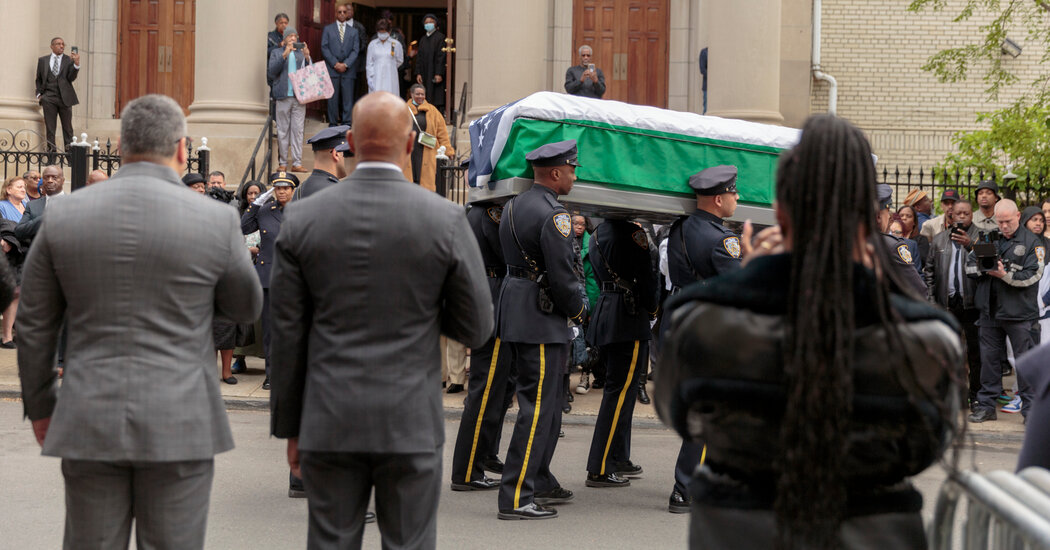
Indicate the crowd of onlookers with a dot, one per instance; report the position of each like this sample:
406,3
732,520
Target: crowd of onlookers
985,262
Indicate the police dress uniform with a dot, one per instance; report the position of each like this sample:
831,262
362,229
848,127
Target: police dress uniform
487,391
620,327
328,138
539,295
902,254
699,247
266,218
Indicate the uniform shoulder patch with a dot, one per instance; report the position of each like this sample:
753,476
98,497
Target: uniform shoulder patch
563,223
1040,252
495,213
732,246
640,239
903,252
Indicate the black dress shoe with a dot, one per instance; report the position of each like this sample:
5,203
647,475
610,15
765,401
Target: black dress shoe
982,415
566,407
627,468
370,517
643,396
678,503
455,388
598,384
493,464
10,344
484,484
266,384
607,480
570,397
296,492
529,511
557,495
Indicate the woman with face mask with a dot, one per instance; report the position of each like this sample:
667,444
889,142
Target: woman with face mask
385,54
431,135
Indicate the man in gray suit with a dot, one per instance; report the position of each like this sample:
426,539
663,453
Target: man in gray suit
358,305
138,268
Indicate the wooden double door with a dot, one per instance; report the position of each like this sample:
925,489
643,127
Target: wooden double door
156,50
630,42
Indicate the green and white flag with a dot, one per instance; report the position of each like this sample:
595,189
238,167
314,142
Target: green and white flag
630,147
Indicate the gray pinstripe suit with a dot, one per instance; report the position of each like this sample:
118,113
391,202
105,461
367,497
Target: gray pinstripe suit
137,266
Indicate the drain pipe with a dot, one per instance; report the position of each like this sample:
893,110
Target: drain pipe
833,85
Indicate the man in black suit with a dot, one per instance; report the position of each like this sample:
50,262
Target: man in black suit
55,74
357,395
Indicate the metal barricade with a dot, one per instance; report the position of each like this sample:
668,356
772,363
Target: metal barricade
1003,511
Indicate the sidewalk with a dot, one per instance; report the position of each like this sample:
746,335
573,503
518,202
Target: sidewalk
248,394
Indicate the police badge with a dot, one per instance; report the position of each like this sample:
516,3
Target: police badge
495,212
732,245
1019,251
564,224
639,239
904,253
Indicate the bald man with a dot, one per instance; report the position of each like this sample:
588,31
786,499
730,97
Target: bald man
1007,289
96,176
372,415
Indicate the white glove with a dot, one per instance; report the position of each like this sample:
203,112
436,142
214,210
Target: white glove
262,198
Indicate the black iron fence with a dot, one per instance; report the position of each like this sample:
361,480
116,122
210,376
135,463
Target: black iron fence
452,180
1026,188
24,151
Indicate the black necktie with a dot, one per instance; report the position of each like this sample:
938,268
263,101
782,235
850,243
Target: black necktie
958,267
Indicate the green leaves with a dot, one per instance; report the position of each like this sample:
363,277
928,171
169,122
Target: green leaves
1018,137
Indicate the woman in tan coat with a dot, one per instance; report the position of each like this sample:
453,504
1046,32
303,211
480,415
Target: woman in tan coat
421,166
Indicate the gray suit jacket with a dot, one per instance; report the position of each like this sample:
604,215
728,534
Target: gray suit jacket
137,266
367,274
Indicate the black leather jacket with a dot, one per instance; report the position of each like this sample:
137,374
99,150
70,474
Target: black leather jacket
721,380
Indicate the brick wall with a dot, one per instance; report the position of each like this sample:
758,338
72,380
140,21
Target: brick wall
875,49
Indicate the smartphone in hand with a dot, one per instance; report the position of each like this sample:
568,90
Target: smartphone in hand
74,50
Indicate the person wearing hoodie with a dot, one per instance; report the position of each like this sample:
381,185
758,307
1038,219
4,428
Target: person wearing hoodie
1034,220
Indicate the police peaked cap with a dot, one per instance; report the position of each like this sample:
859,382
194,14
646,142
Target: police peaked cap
329,138
715,180
283,179
558,153
192,178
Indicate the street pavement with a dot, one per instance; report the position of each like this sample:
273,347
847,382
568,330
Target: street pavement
250,508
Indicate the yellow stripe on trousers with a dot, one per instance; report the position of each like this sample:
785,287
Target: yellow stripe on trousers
481,413
532,431
619,404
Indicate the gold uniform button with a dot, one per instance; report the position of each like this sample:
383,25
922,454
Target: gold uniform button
261,262
264,231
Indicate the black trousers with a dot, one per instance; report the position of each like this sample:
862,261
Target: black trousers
526,470
53,107
968,320
483,413
993,337
688,459
611,442
338,487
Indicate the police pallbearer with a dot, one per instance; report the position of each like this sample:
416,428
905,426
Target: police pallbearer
700,247
487,394
329,145
539,295
619,325
901,254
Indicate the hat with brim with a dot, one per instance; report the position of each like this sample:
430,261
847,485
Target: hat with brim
559,153
715,180
283,179
191,179
914,196
988,184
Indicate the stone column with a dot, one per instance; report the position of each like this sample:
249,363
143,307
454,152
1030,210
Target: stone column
744,60
230,78
499,74
18,106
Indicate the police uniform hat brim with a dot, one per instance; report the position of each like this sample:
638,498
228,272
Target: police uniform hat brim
283,179
192,178
329,138
343,147
715,180
885,196
560,153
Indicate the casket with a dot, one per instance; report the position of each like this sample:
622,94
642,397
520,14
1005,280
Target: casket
635,161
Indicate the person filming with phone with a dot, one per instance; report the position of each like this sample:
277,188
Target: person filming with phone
291,114
55,74
585,79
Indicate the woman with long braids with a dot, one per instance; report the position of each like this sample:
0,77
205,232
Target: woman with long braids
816,387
